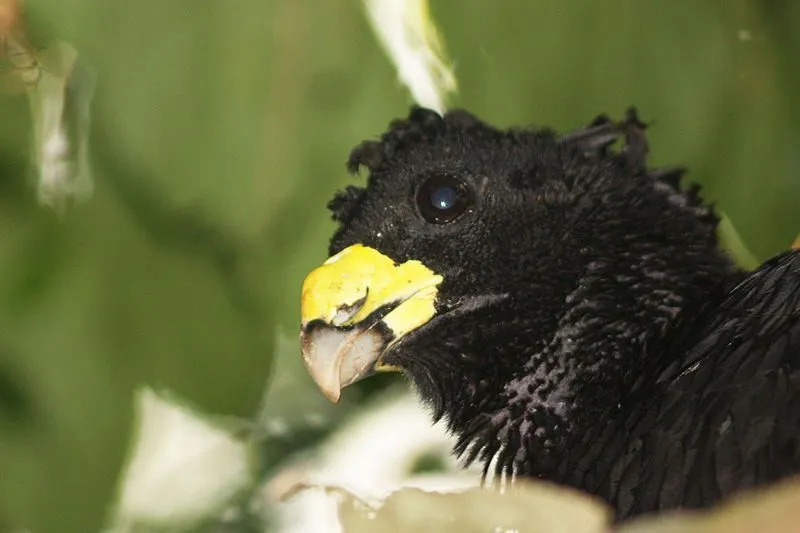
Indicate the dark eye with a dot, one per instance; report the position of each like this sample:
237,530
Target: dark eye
442,198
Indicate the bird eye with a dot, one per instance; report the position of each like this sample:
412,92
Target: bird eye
442,198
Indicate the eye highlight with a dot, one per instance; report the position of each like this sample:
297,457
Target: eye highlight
442,198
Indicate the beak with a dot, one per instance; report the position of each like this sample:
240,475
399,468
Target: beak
354,308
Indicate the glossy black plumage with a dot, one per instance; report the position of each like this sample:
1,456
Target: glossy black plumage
723,411
612,347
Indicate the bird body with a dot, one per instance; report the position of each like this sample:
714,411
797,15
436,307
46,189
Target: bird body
718,412
564,308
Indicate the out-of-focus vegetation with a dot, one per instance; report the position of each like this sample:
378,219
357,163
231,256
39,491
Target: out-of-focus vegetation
219,132
547,508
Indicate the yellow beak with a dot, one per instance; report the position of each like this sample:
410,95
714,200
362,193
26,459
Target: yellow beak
354,307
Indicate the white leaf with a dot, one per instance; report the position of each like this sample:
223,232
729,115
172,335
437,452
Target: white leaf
181,468
409,36
369,457
59,98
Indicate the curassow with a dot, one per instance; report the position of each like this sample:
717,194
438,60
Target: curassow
566,309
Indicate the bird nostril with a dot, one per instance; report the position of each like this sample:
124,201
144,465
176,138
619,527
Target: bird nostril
347,311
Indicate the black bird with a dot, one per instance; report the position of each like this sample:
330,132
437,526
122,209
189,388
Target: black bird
565,308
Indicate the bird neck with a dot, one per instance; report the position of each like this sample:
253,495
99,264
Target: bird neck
608,337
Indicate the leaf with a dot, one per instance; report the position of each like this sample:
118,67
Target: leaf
59,102
730,240
408,33
183,466
528,507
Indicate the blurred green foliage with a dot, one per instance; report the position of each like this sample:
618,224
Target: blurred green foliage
220,131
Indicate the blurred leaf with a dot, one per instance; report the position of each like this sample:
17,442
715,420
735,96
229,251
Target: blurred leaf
526,508
60,108
411,39
182,466
731,241
541,507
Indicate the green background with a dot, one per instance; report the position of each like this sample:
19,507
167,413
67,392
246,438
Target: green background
219,132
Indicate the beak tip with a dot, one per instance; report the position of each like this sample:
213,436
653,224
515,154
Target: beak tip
324,375
332,395
329,390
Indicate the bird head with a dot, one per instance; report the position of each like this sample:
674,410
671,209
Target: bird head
482,263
